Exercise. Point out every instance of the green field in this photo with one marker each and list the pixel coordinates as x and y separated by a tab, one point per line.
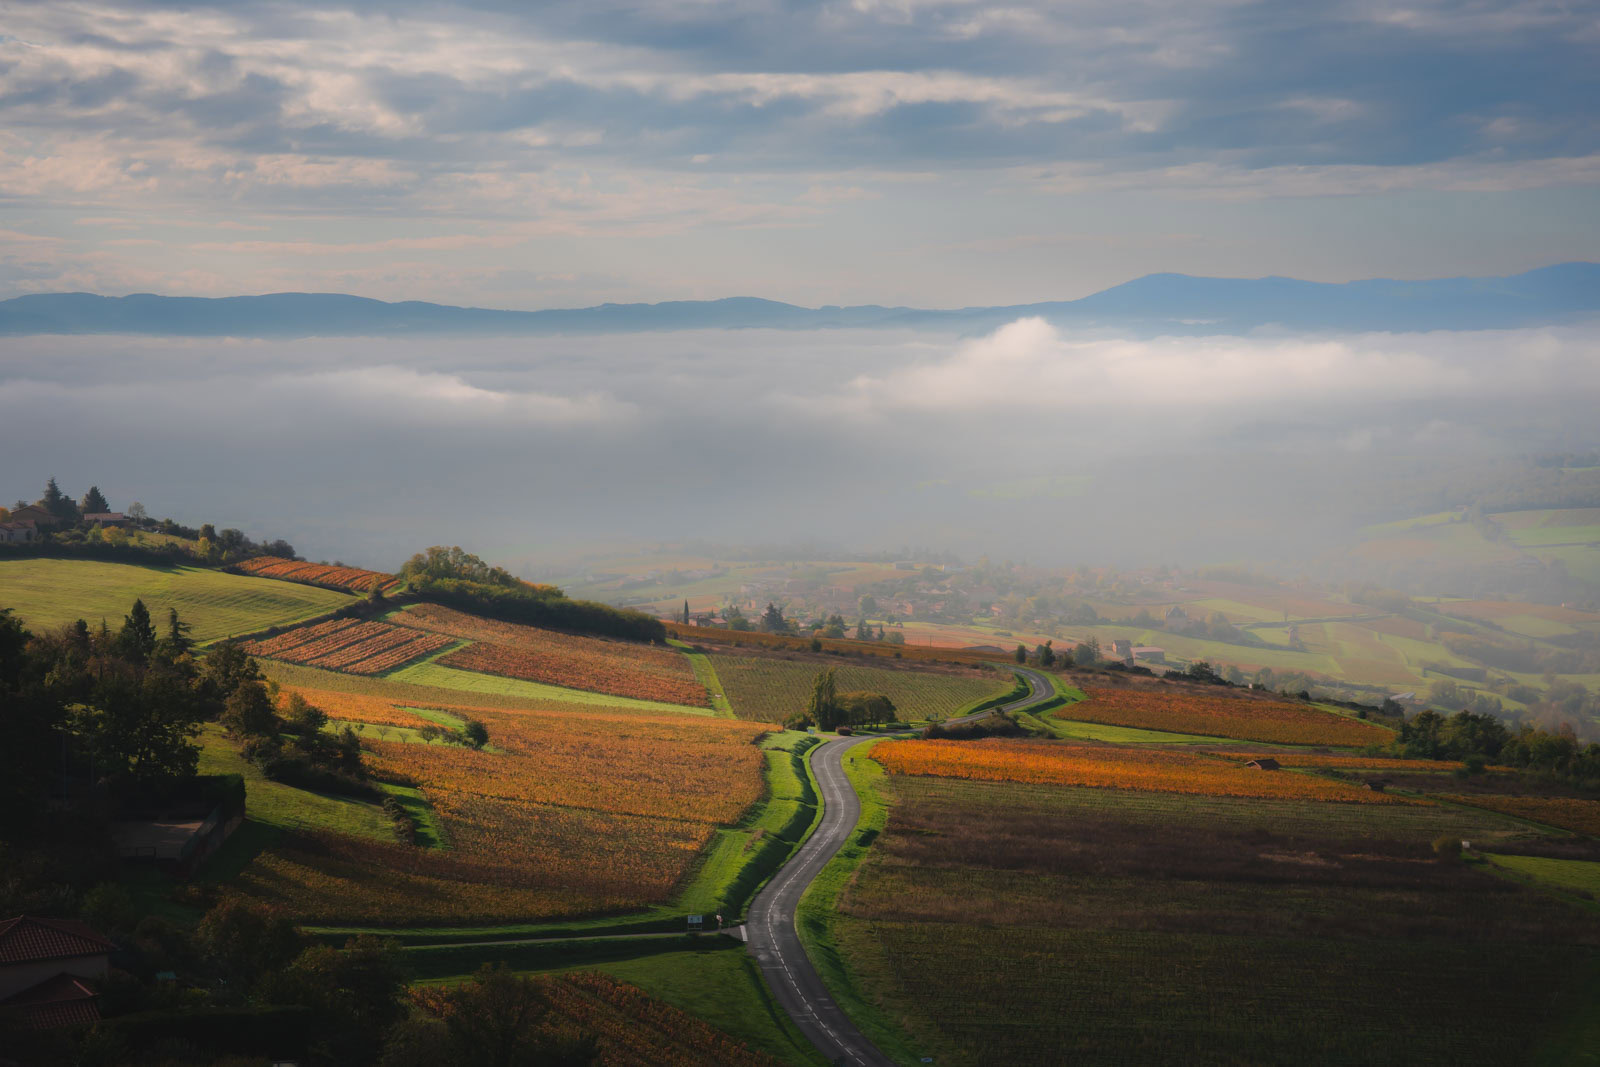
47	593
1582	876
435	676
769	689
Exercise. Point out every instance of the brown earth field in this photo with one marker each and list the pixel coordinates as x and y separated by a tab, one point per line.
1004	923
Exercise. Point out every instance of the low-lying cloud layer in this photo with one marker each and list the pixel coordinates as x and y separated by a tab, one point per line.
1173	448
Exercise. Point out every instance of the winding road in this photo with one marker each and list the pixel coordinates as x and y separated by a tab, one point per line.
770	928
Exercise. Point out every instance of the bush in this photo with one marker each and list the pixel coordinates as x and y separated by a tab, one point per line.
1447	848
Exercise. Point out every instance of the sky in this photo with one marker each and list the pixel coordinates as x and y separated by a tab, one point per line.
939	153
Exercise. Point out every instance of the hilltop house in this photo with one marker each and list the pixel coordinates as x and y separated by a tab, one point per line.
48	971
105	518
17	532
33	513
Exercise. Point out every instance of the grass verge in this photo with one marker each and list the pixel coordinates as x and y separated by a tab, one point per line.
706	675
818	909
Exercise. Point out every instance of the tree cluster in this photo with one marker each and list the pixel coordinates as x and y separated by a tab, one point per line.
91	713
830	709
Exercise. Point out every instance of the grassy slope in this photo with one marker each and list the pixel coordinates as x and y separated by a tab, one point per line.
706	675
52	592
285	807
435	676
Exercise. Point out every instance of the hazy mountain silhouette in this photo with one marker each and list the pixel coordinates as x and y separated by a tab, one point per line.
1166	303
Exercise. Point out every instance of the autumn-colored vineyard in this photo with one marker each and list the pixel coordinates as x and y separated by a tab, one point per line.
1107	767
630	1026
349	646
570	814
1317	759
599	665
1187	712
353	579
713	636
1569	813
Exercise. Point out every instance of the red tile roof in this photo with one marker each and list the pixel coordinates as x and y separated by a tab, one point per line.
27	939
60	1001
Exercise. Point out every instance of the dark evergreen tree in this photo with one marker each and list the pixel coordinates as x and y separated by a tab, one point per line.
58	503
94	502
138	636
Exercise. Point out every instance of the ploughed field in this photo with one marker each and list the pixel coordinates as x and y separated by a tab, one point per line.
49	593
769	689
1006	921
597	664
1154	705
348	645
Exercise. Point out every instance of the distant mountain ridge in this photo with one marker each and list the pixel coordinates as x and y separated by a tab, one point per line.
1163	303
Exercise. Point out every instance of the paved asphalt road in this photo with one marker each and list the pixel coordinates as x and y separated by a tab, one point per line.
770	930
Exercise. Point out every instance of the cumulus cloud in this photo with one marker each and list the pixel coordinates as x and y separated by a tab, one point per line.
1031	365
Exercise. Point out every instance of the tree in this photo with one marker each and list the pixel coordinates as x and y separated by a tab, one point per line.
136	512
248	712
177	638
1047	654
375	594
476	733
503	1019
1021	654
58	503
354	995
138	637
244	941
862	633
94	502
772	620
823	707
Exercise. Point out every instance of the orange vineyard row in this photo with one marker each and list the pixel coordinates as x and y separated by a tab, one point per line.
1315	759
619	668
1569	813
1105	767
349	646
353	579
1186	712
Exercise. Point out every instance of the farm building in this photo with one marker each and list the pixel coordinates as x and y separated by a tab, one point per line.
47	971
34	514
1122	649
16	532
1150	653
105	518
1177	614
1265	763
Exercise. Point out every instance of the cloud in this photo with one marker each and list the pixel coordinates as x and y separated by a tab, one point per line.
439	397
1029	365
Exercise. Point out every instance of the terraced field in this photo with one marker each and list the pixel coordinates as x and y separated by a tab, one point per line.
768	689
48	593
